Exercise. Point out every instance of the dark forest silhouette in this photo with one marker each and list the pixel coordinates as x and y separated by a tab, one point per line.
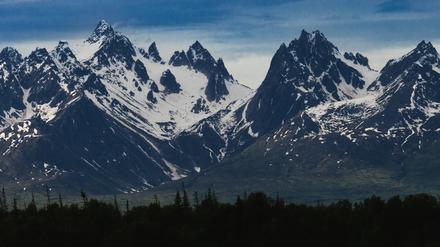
201	220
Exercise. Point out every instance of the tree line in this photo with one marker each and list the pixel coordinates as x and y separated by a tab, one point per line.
252	220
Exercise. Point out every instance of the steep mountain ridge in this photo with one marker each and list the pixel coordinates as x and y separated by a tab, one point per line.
111	117
384	141
308	72
104	123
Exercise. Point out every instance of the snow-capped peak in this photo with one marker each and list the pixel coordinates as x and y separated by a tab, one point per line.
426	48
423	55
313	44
103	29
314	35
62	52
197	46
197	52
39	55
11	57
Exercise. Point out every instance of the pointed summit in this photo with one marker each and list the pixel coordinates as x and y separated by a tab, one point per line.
103	29
39	55
178	59
197	46
200	58
304	35
11	57
314	43
197	52
424	55
426	48
153	53
310	37
114	47
62	52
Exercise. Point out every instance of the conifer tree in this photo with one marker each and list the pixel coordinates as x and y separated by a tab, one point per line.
178	200
32	207
279	203
156	201
32	198
47	194
185	200
4	200
2	204
14	205
238	201
84	197
60	200
115	203
196	199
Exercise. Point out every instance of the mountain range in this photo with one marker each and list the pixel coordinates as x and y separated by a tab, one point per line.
322	124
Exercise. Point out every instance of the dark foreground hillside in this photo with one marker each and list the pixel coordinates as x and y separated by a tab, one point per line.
253	220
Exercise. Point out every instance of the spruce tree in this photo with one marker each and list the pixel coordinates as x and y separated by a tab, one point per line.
156	201
4	200
115	203
196	199
2	204
47	194
185	202
32	198
178	200
60	200
32	207
14	205
84	197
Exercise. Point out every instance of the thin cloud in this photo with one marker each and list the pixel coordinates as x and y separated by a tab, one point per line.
395	6
245	33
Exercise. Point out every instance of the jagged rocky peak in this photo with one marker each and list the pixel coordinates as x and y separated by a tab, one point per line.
178	59
315	43
103	29
38	56
222	70
197	52
424	55
141	72
115	47
216	72
40	72
11	58
200	58
10	90
357	59
63	53
153	53
321	58
426	48
307	72
196	57
168	80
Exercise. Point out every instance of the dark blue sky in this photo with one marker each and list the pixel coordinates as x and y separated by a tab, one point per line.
233	28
